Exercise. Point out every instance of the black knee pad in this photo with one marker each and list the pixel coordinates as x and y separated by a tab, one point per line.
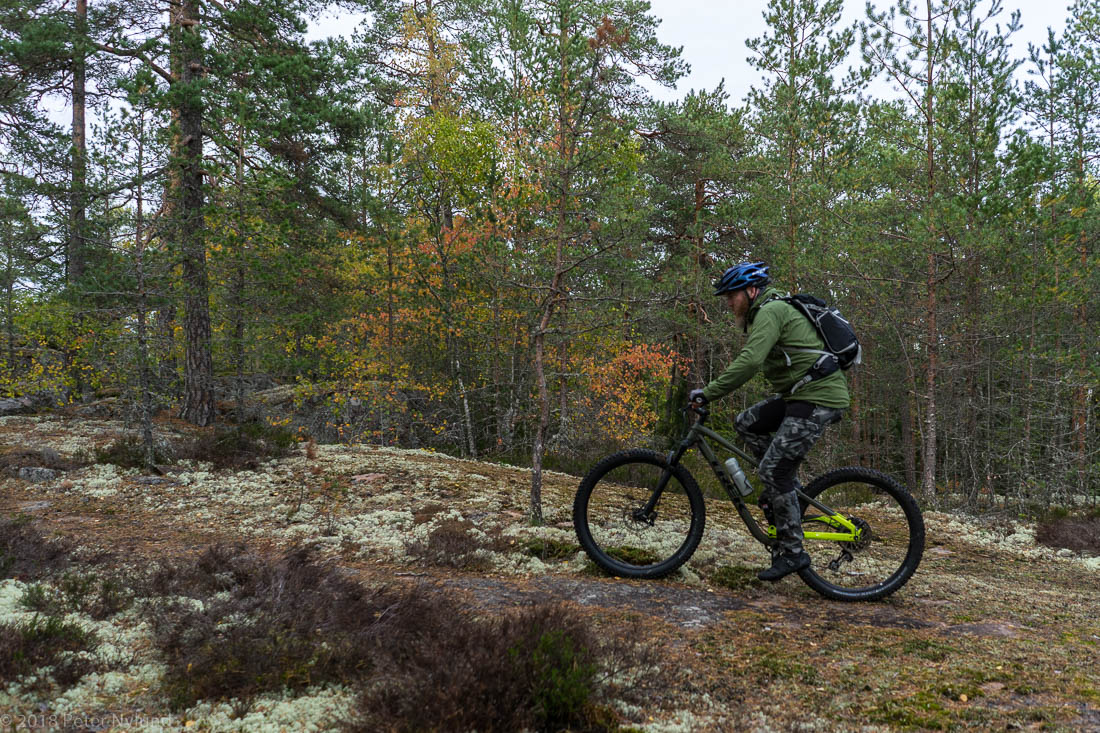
783	478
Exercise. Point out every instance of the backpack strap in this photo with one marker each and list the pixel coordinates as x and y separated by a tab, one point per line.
798	350
826	364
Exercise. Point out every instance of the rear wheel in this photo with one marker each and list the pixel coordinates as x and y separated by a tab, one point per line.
614	528
891	540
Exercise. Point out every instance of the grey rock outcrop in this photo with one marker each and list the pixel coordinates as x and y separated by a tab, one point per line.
16	406
37	474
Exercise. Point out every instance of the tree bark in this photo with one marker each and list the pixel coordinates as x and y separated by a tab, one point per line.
855	416
143	304
198	398
550	303
928	452
1082	396
908	443
75	254
239	281
471	442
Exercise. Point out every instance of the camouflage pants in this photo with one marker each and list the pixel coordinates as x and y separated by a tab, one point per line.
781	434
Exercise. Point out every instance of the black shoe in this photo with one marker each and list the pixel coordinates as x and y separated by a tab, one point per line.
784	565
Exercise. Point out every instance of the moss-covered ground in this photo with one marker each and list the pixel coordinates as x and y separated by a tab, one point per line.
993	633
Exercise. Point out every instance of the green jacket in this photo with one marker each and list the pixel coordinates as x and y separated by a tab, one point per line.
772	325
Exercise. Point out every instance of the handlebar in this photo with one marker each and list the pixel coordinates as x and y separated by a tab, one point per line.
699	408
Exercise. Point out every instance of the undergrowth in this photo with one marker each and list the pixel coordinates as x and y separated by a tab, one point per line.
735	578
12	459
453	543
550	549
1080	534
45	641
96	595
26	553
240	447
129	452
231	624
538	668
260	625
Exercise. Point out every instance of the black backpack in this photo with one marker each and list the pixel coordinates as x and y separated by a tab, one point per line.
835	331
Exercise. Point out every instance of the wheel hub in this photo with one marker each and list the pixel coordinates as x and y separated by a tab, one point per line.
864	540
636	518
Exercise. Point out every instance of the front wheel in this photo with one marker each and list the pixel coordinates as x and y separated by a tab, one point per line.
890	542
617	530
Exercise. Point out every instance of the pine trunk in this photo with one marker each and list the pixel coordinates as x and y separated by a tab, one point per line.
198	398
144	381
932	336
77	210
908	440
555	295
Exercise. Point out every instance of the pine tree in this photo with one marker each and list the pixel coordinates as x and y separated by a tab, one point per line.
916	58
694	152
804	120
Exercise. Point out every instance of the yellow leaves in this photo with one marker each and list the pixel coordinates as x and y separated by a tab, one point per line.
429	57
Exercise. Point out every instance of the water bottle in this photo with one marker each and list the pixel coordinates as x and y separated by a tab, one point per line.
738	476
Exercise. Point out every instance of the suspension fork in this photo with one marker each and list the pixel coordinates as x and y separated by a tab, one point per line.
647	512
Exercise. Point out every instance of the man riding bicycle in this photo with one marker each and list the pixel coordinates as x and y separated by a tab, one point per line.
780	430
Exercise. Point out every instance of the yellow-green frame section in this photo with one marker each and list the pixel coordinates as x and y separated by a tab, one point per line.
835	520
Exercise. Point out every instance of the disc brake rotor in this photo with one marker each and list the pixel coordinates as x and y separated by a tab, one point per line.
864	540
848	549
634	518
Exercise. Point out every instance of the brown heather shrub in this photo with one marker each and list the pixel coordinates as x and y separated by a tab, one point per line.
99	595
423	661
452	544
12	459
40	642
426	512
266	625
537	668
25	553
129	452
217	568
240	447
1080	534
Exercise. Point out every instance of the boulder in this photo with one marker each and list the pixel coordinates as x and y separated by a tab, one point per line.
37	474
16	406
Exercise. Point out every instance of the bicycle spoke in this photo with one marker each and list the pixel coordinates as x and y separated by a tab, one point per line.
618	531
880	554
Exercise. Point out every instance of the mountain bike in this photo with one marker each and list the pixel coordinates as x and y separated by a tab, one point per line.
639	514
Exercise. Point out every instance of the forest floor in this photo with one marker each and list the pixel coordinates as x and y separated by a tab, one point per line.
994	632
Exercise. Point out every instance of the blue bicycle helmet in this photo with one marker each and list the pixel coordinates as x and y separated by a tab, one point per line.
742	276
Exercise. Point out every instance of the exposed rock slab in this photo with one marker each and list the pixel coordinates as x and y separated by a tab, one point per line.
16	406
37	474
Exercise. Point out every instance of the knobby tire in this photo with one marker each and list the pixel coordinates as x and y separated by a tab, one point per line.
897	535
609	495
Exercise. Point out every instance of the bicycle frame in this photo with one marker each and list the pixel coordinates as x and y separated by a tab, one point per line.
698	435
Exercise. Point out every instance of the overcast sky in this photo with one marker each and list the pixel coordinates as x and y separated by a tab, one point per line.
712	34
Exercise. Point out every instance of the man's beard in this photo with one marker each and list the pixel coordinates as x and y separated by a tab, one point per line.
740	320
